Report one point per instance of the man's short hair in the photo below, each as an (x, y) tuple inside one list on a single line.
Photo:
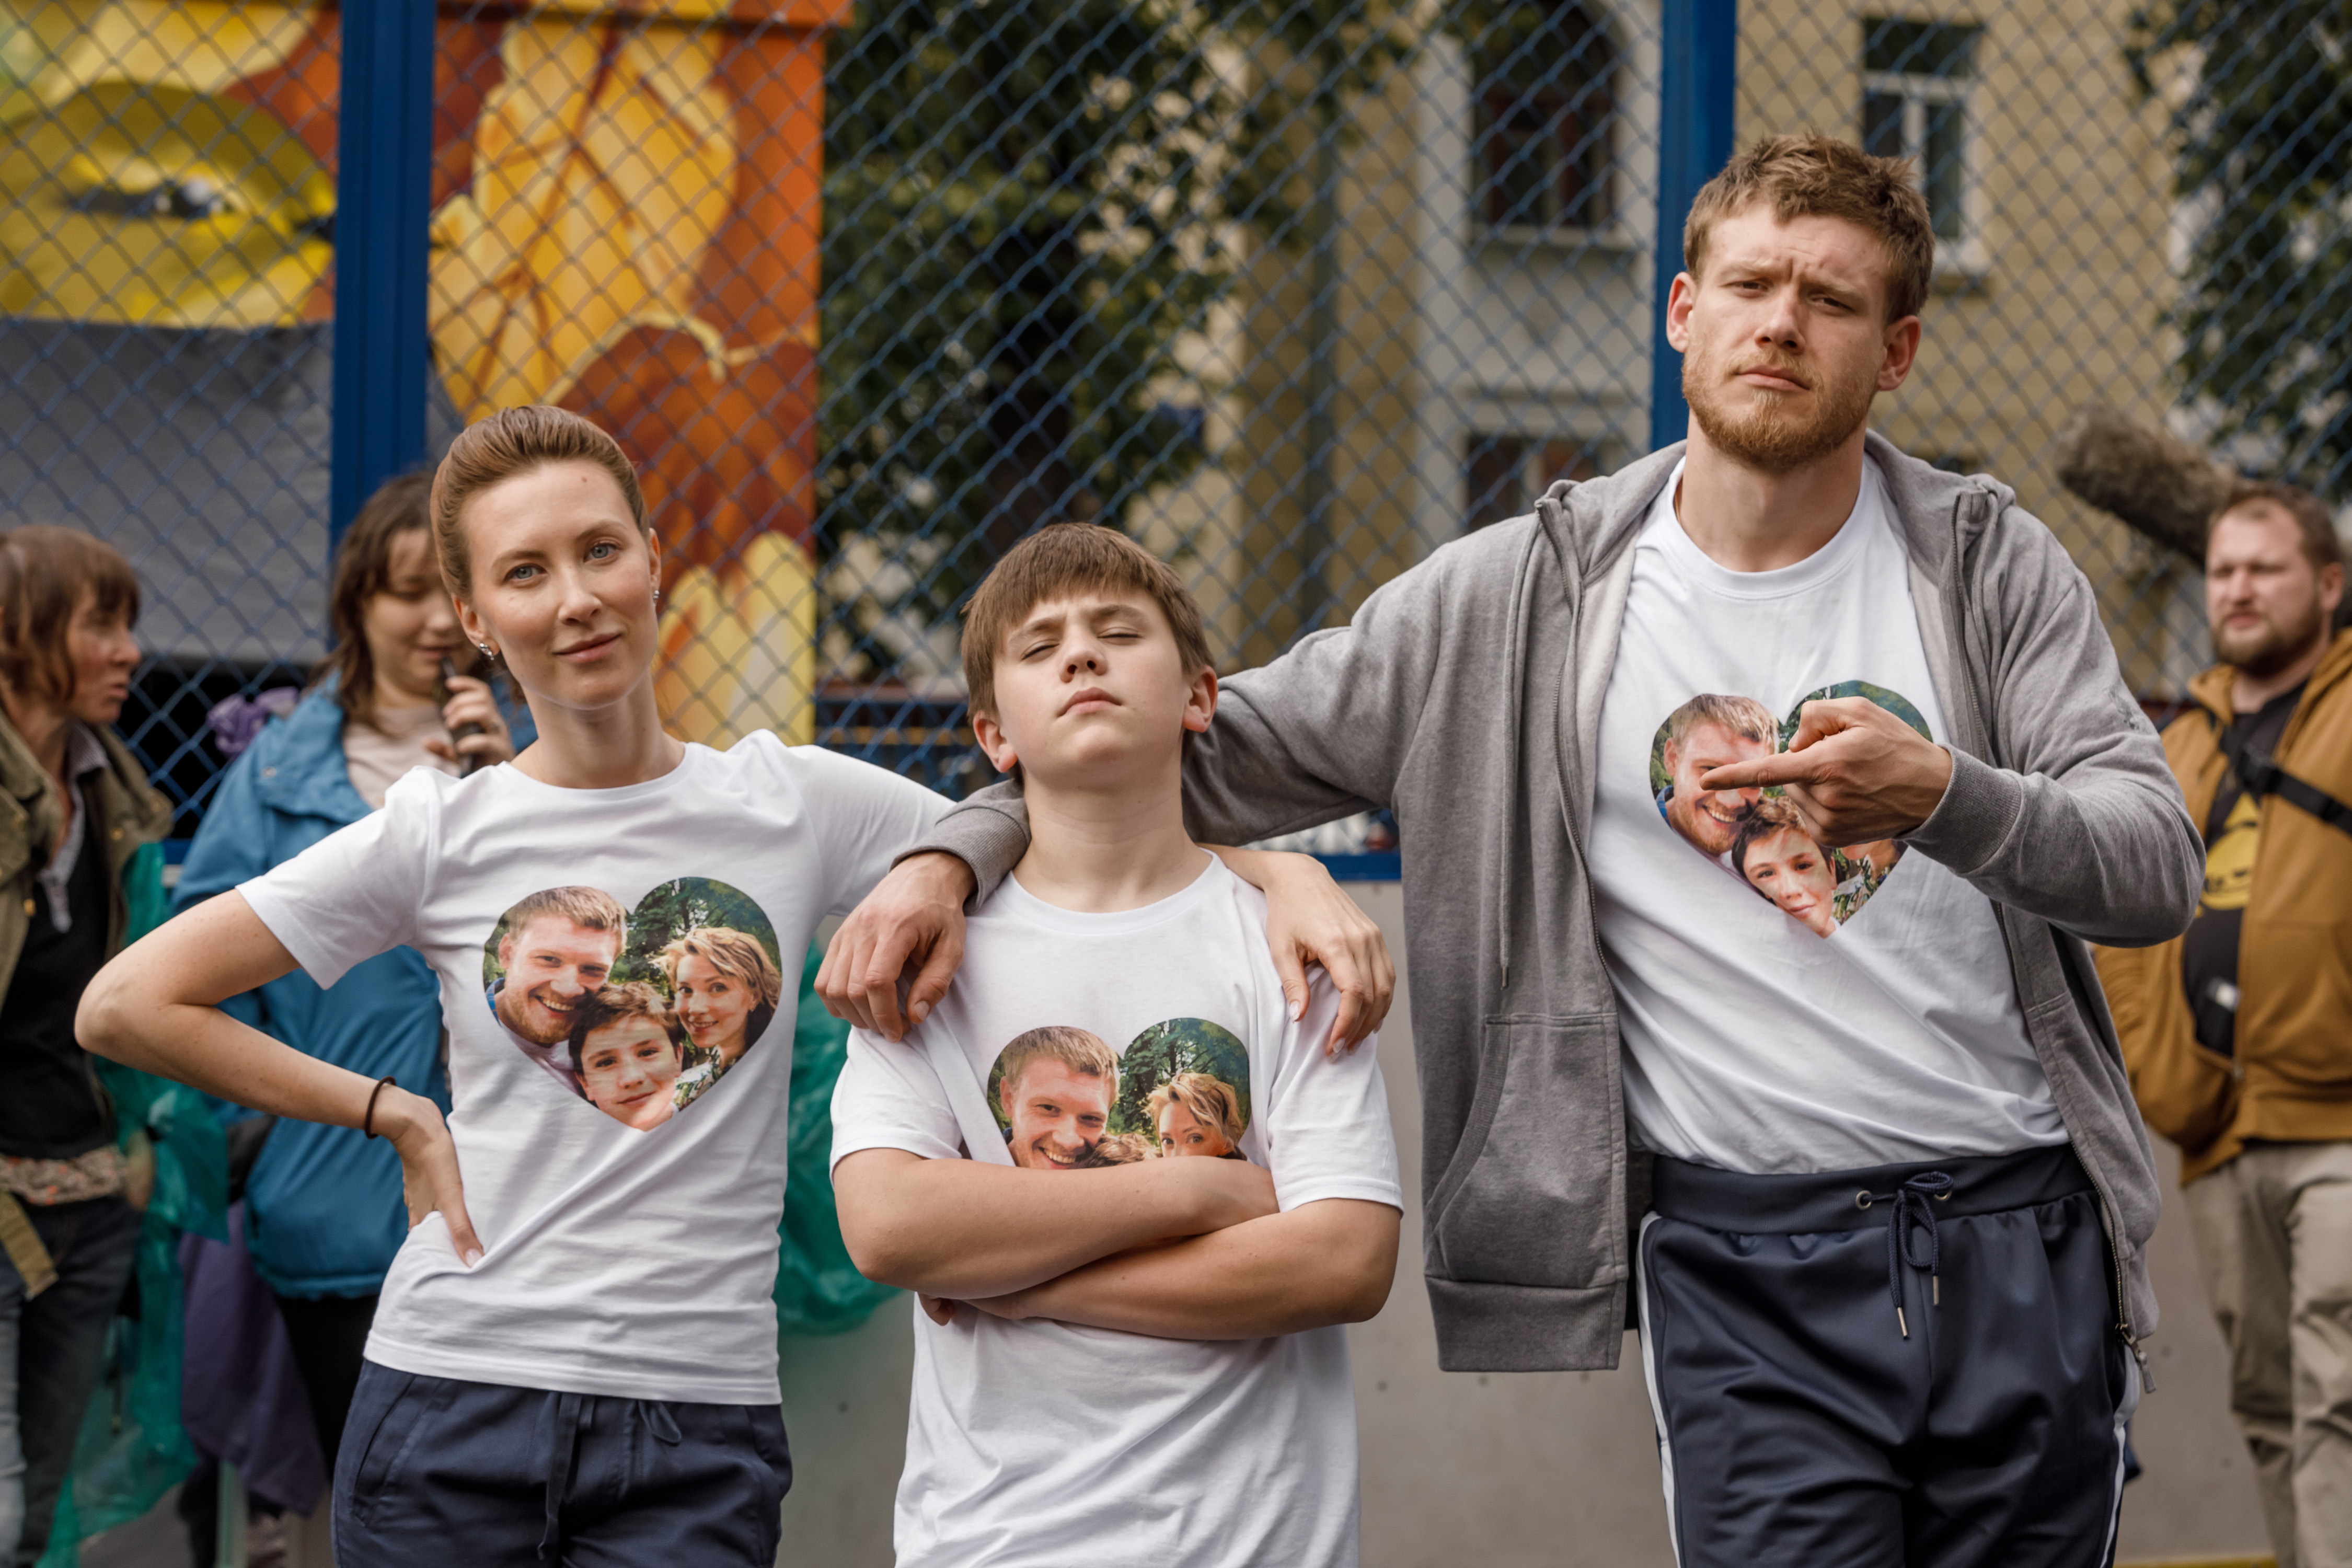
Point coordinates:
[(1771, 814), (592, 908), (1210, 1101), (1814, 175), (617, 1004), (2312, 521), (1058, 560), (1742, 716), (1074, 1048)]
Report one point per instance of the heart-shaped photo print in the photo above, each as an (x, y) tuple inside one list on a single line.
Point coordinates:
[(1065, 1100), (639, 1012), (1757, 834)]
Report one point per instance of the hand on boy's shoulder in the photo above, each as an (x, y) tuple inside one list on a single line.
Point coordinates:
[(1310, 918), (909, 928)]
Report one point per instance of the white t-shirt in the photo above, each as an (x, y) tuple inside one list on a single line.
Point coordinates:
[(1042, 1444), (629, 1245), (1786, 1006)]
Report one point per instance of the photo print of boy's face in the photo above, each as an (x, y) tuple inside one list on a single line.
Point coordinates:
[(638, 1011), (1757, 834), (1065, 1100)]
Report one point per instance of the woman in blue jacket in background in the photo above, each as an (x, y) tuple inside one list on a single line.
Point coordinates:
[(323, 1208)]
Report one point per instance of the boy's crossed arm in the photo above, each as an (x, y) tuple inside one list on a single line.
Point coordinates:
[(1326, 1262), (1181, 1248), (964, 1229)]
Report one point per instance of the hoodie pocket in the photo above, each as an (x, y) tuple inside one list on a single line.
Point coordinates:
[(1534, 1194)]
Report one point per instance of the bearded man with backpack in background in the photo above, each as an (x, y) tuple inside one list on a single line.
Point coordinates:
[(2236, 1033)]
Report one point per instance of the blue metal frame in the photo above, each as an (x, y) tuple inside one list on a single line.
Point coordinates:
[(1700, 41), (383, 196)]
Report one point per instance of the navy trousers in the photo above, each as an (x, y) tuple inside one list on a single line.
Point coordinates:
[(1909, 1366), (436, 1472)]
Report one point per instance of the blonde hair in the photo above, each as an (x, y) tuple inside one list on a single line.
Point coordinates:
[(1742, 716), (511, 442), (592, 908), (736, 955), (1074, 1048), (1210, 1101), (1814, 175)]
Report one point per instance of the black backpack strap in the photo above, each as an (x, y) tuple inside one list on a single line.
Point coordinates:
[(2261, 776)]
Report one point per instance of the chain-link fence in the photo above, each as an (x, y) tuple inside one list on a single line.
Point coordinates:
[(1294, 292)]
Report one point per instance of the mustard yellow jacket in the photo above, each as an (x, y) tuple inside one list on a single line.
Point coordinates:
[(2291, 1080)]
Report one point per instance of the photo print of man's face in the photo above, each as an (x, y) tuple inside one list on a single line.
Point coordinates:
[(640, 1011), (1066, 1102), (1053, 1089), (557, 949), (1757, 833)]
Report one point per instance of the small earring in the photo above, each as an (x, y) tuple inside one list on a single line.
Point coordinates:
[(656, 596), (487, 652)]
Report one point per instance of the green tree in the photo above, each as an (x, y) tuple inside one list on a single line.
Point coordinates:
[(1169, 1047), (2260, 98), (1026, 204)]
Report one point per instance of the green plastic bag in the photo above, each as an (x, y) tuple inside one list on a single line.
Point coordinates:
[(818, 1290)]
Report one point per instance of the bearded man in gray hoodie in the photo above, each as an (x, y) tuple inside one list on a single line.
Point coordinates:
[(1844, 1124)]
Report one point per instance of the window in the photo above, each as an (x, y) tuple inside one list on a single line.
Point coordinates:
[(1545, 119), (1502, 474), (1917, 85)]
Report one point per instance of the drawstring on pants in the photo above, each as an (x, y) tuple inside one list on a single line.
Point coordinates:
[(576, 1413), (1911, 1209)]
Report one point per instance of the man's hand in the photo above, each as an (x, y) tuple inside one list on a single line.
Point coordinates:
[(916, 913), (1856, 772), (1309, 921)]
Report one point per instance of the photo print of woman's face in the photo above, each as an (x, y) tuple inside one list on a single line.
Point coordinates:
[(1065, 1100), (638, 1011), (1757, 833)]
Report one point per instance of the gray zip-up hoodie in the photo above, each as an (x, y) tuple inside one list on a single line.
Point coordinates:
[(1466, 696)]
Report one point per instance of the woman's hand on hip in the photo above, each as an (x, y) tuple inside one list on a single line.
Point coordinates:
[(428, 1166)]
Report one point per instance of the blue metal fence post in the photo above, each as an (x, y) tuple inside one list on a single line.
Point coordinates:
[(1699, 43), (383, 192)]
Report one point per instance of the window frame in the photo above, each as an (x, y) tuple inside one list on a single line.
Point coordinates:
[(1966, 256), (1598, 122)]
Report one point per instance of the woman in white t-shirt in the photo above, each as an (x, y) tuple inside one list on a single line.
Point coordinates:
[(574, 1351)]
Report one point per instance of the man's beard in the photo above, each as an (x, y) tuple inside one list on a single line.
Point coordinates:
[(1762, 429), (2266, 652)]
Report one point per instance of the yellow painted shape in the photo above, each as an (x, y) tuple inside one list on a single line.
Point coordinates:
[(738, 647), (2230, 859), (55, 48), (157, 207), (604, 167)]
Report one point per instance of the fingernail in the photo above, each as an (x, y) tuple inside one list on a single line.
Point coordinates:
[(922, 1010), (473, 1255)]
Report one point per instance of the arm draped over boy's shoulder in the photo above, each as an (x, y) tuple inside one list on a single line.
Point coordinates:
[(1319, 733)]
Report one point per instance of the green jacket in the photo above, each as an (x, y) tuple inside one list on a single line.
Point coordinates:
[(130, 814)]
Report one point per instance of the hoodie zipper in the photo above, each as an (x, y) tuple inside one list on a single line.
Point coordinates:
[(2112, 1216)]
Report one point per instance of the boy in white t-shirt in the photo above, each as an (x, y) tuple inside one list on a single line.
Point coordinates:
[(1136, 1196)]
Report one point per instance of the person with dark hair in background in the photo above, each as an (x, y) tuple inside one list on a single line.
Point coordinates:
[(2235, 1033), (323, 1214), (69, 1197)]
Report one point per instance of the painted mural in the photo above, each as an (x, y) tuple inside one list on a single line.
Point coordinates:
[(625, 208)]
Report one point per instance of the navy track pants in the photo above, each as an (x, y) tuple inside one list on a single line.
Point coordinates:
[(1957, 1401)]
